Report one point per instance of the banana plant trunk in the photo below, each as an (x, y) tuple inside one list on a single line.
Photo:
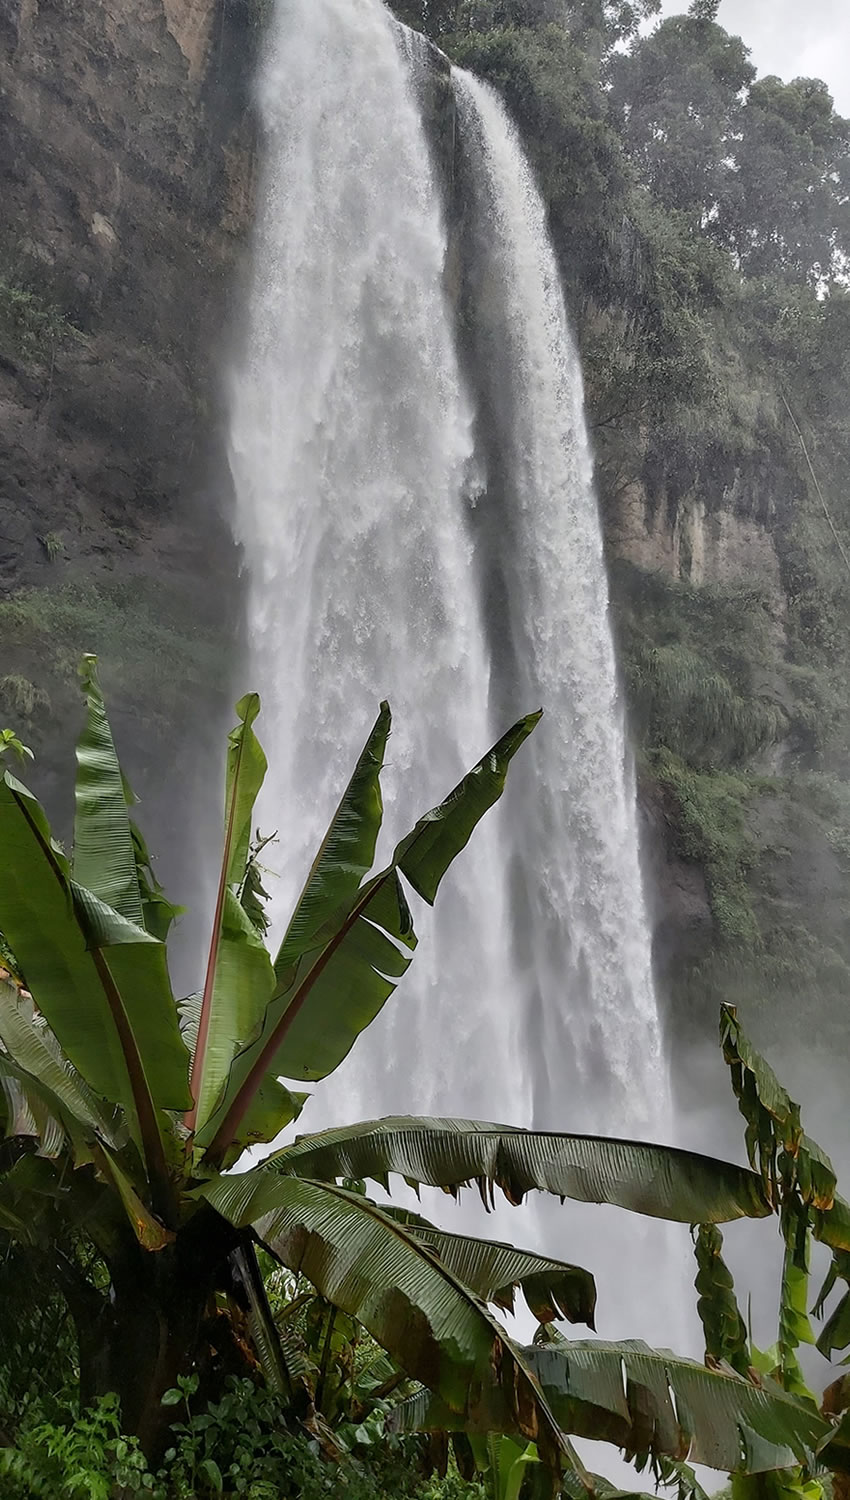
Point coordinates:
[(157, 1322)]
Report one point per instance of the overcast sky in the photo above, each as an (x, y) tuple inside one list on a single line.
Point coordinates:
[(794, 38)]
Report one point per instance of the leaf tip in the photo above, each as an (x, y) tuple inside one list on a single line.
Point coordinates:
[(248, 708)]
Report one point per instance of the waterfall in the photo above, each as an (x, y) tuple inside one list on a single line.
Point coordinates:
[(352, 455), (584, 944), (413, 534)]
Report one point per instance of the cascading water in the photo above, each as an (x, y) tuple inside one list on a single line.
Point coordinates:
[(351, 450), (357, 459), (582, 955), (586, 959)]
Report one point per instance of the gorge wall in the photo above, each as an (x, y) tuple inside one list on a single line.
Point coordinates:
[(127, 176), (126, 150)]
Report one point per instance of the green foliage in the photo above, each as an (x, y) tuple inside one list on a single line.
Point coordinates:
[(239, 1445), (139, 626), (38, 1352), (760, 165), (721, 718), (600, 23), (677, 93), (9, 742), (31, 327), (724, 1328), (21, 697), (701, 666), (94, 1071), (81, 1461), (697, 711), (699, 215), (53, 545), (551, 86), (710, 818), (661, 1408)]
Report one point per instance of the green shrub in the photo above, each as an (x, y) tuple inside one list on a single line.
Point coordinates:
[(53, 545), (22, 698), (82, 1461), (31, 327), (712, 830), (239, 1446), (685, 704)]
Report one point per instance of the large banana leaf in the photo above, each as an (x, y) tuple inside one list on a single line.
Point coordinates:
[(344, 858), (429, 849), (148, 1230), (100, 980), (800, 1179), (372, 1268), (835, 1333), (261, 1324), (797, 1174), (239, 978), (323, 1002), (726, 1341), (661, 1181), (19, 1120), (104, 853), (551, 1288), (647, 1399), (666, 1472), (157, 911), (345, 855), (725, 1331), (510, 1467), (505, 1464), (35, 1054), (650, 1402)]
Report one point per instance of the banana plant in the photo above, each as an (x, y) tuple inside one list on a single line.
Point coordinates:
[(656, 1406), (746, 1410), (122, 1109), (800, 1181)]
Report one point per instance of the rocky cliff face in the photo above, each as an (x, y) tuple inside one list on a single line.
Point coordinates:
[(126, 178)]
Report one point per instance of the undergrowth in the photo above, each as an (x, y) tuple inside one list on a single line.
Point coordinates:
[(712, 830), (238, 1446)]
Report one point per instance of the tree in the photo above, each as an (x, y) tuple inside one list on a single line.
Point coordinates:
[(121, 1110), (678, 96), (791, 208), (598, 24), (761, 165), (704, 10)]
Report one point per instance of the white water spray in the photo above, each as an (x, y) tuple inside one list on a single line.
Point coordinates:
[(351, 450), (582, 955), (586, 966)]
